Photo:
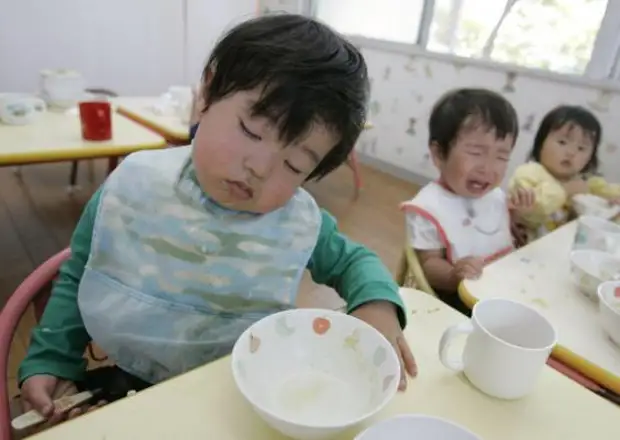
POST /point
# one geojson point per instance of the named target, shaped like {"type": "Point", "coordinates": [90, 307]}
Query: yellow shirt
{"type": "Point", "coordinates": [552, 206]}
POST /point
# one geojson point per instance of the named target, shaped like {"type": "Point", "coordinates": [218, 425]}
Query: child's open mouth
{"type": "Point", "coordinates": [566, 163]}
{"type": "Point", "coordinates": [239, 190]}
{"type": "Point", "coordinates": [477, 186]}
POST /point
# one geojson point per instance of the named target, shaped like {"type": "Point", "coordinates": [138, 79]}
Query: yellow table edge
{"type": "Point", "coordinates": [93, 152]}
{"type": "Point", "coordinates": [180, 136]}
{"type": "Point", "coordinates": [562, 353]}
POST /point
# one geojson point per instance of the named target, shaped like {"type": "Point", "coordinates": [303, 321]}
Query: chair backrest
{"type": "Point", "coordinates": [28, 292]}
{"type": "Point", "coordinates": [102, 92]}
{"type": "Point", "coordinates": [415, 268]}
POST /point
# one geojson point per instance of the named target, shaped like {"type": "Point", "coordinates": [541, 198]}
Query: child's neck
{"type": "Point", "coordinates": [561, 179]}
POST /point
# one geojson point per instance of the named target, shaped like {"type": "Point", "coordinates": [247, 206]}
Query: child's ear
{"type": "Point", "coordinates": [436, 154]}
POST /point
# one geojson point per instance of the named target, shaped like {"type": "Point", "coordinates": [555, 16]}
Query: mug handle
{"type": "Point", "coordinates": [464, 328]}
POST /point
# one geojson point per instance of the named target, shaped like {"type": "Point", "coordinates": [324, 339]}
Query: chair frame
{"type": "Point", "coordinates": [410, 264]}
{"type": "Point", "coordinates": [28, 293]}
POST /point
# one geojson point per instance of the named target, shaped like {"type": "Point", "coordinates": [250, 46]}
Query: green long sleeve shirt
{"type": "Point", "coordinates": [58, 342]}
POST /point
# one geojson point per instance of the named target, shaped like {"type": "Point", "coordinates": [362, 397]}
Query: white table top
{"type": "Point", "coordinates": [538, 274]}
{"type": "Point", "coordinates": [205, 404]}
{"type": "Point", "coordinates": [141, 109]}
{"type": "Point", "coordinates": [58, 136]}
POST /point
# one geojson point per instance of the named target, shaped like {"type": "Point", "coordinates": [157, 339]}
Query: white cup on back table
{"type": "Point", "coordinates": [508, 344]}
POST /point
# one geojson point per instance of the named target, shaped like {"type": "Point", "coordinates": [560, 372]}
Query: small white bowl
{"type": "Point", "coordinates": [310, 373]}
{"type": "Point", "coordinates": [590, 268]}
{"type": "Point", "coordinates": [609, 309]}
{"type": "Point", "coordinates": [588, 204]}
{"type": "Point", "coordinates": [418, 427]}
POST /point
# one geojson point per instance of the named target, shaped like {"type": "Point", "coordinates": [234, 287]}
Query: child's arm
{"type": "Point", "coordinates": [549, 196]}
{"type": "Point", "coordinates": [355, 272]}
{"type": "Point", "coordinates": [58, 342]}
{"type": "Point", "coordinates": [598, 186]}
{"type": "Point", "coordinates": [426, 243]}
{"type": "Point", "coordinates": [438, 271]}
{"type": "Point", "coordinates": [430, 249]}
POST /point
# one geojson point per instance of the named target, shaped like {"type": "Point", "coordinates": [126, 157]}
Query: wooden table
{"type": "Point", "coordinates": [205, 404]}
{"type": "Point", "coordinates": [58, 137]}
{"type": "Point", "coordinates": [140, 109]}
{"type": "Point", "coordinates": [538, 274]}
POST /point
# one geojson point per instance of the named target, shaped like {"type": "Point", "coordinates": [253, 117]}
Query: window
{"type": "Point", "coordinates": [556, 35]}
{"type": "Point", "coordinates": [394, 20]}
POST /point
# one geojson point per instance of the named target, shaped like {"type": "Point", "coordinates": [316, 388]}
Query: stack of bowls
{"type": "Point", "coordinates": [595, 269]}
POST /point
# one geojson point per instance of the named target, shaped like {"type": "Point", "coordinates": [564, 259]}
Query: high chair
{"type": "Point", "coordinates": [410, 267]}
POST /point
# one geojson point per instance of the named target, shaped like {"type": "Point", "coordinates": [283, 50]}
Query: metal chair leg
{"type": "Point", "coordinates": [73, 177]}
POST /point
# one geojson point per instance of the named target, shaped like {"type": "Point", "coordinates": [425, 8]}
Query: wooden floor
{"type": "Point", "coordinates": [37, 217]}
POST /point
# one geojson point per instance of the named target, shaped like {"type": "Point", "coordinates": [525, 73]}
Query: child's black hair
{"type": "Point", "coordinates": [569, 114]}
{"type": "Point", "coordinates": [476, 106]}
{"type": "Point", "coordinates": [308, 74]}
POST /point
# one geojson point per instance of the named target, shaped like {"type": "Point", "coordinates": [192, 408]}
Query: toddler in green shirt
{"type": "Point", "coordinates": [182, 249]}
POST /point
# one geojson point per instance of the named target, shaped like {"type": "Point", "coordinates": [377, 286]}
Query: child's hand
{"type": "Point", "coordinates": [468, 268]}
{"type": "Point", "coordinates": [576, 186]}
{"type": "Point", "coordinates": [382, 316]}
{"type": "Point", "coordinates": [39, 392]}
{"type": "Point", "coordinates": [522, 200]}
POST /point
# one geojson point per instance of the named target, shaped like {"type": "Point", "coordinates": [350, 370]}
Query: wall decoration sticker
{"type": "Point", "coordinates": [509, 86]}
{"type": "Point", "coordinates": [428, 72]}
{"type": "Point", "coordinates": [411, 128]}
{"type": "Point", "coordinates": [386, 73]}
{"type": "Point", "coordinates": [410, 65]}
{"type": "Point", "coordinates": [528, 125]}
{"type": "Point", "coordinates": [602, 101]}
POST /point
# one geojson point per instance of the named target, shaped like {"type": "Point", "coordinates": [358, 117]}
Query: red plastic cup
{"type": "Point", "coordinates": [96, 120]}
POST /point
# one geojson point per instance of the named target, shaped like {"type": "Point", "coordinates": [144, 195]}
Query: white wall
{"type": "Point", "coordinates": [405, 86]}
{"type": "Point", "coordinates": [206, 23]}
{"type": "Point", "coordinates": [135, 47]}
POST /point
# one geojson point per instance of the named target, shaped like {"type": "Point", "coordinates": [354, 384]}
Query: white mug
{"type": "Point", "coordinates": [181, 97]}
{"type": "Point", "coordinates": [597, 234]}
{"type": "Point", "coordinates": [508, 344]}
{"type": "Point", "coordinates": [20, 109]}
{"type": "Point", "coordinates": [62, 88]}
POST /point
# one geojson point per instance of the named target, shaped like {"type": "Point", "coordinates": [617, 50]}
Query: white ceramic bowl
{"type": "Point", "coordinates": [310, 373]}
{"type": "Point", "coordinates": [597, 234]}
{"type": "Point", "coordinates": [588, 204]}
{"type": "Point", "coordinates": [418, 427]}
{"type": "Point", "coordinates": [609, 309]}
{"type": "Point", "coordinates": [590, 268]}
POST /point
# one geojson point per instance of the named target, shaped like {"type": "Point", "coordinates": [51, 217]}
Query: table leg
{"type": "Point", "coordinates": [73, 175]}
{"type": "Point", "coordinates": [357, 177]}
{"type": "Point", "coordinates": [112, 163]}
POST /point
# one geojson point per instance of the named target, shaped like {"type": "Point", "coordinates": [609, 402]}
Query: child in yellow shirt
{"type": "Point", "coordinates": [562, 164]}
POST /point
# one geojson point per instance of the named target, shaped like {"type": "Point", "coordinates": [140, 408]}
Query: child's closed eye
{"type": "Point", "coordinates": [292, 168]}
{"type": "Point", "coordinates": [248, 132]}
